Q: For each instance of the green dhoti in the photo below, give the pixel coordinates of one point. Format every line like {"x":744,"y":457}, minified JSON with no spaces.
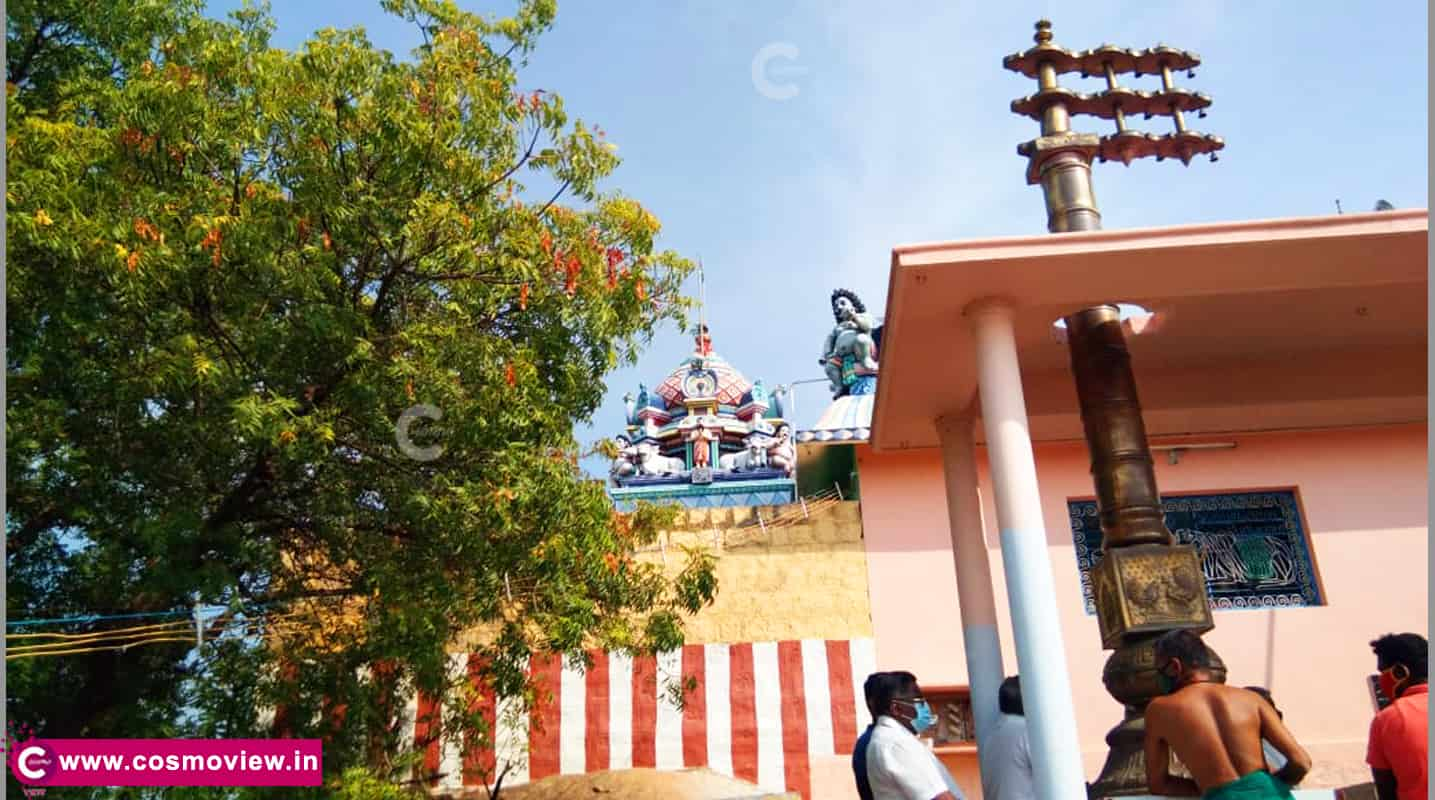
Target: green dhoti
{"x":1259,"y":785}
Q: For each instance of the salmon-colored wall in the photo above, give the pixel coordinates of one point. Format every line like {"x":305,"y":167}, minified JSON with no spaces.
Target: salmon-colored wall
{"x":1364,"y":497}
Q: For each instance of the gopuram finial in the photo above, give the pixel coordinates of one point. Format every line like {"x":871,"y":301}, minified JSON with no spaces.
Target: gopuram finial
{"x":1043,"y":31}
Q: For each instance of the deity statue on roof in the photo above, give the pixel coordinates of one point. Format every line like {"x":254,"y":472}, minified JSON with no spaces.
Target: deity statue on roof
{"x":781,"y":453}
{"x":849,"y":353}
{"x":625,"y":463}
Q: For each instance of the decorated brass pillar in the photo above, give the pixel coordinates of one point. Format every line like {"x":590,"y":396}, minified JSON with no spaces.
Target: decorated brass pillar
{"x":1144,"y":584}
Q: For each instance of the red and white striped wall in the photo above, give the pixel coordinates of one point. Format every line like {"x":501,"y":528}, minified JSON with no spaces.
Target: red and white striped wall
{"x":761,"y":711}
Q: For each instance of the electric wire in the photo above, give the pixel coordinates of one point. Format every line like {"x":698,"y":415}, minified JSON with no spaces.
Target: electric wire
{"x":94,"y":618}
{"x":9,"y":656}
{"x":69,"y":648}
{"x":94,"y":634}
{"x":290,"y":622}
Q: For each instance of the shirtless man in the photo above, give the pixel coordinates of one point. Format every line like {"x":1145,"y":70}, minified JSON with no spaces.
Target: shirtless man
{"x":1216,"y":731}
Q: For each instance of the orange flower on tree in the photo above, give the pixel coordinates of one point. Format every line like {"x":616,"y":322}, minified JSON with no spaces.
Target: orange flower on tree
{"x":615,"y":256}
{"x":133,"y":262}
{"x":546,"y":242}
{"x":213,"y":238}
{"x":510,"y":376}
{"x":523,"y":297}
{"x":574,"y":267}
{"x":623,"y":525}
{"x":612,"y":562}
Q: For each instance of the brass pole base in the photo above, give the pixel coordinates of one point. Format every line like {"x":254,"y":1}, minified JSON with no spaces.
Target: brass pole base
{"x":1124,"y":772}
{"x":1130,"y":678}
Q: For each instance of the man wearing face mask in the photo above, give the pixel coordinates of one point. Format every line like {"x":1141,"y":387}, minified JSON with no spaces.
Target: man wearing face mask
{"x":1215,"y":730}
{"x":899,"y":765}
{"x":1399,"y":739}
{"x":859,"y":750}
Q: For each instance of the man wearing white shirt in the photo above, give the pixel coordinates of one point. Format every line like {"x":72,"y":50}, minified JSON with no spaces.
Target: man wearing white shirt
{"x":1007,"y":773}
{"x":899,"y":765}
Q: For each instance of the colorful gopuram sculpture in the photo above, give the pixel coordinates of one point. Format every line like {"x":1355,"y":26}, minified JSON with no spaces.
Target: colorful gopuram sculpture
{"x":705,"y":437}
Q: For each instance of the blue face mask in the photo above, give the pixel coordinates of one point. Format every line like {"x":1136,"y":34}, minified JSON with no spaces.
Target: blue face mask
{"x":924,"y":719}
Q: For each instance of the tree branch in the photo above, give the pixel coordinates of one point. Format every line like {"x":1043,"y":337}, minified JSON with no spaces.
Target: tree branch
{"x":554,"y":198}
{"x":51,"y":516}
{"x":37,"y":43}
{"x":527,"y":154}
{"x":242,"y":496}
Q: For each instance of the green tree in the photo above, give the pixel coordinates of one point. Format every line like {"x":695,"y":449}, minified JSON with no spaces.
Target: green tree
{"x":232,"y":268}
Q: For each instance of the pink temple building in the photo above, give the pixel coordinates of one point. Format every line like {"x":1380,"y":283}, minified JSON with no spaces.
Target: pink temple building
{"x":1282,"y":371}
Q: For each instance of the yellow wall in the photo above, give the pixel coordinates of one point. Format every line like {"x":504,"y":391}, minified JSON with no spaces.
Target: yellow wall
{"x":800,"y":578}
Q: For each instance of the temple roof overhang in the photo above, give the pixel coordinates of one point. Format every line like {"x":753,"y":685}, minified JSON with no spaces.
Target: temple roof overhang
{"x":846,"y":420}
{"x":1283,"y":324}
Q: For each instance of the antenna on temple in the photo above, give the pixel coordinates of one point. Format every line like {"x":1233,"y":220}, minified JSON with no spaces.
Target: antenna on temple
{"x":704,"y":341}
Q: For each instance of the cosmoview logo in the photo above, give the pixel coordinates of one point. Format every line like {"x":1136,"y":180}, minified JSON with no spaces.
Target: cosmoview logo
{"x":764,"y":70}
{"x":406,"y":442}
{"x":35,"y":762}
{"x":38,"y":763}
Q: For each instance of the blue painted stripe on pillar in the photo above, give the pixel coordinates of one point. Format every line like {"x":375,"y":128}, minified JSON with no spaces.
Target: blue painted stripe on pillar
{"x":1041,"y":659}
{"x":984,"y":675}
{"x":984,"y":672}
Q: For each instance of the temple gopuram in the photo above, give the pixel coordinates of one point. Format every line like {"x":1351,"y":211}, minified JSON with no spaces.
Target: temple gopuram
{"x":706,"y":437}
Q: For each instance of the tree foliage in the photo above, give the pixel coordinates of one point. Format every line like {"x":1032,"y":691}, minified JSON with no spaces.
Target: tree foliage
{"x":232,"y":268}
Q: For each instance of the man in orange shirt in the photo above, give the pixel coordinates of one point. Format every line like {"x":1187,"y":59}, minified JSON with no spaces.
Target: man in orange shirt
{"x":1399,"y":741}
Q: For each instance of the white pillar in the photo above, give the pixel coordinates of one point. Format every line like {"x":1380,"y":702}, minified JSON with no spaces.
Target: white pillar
{"x":974,"y":573}
{"x":1036,"y":626}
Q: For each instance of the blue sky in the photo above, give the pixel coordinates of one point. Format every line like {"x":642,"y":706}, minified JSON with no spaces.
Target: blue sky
{"x":899,"y":131}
